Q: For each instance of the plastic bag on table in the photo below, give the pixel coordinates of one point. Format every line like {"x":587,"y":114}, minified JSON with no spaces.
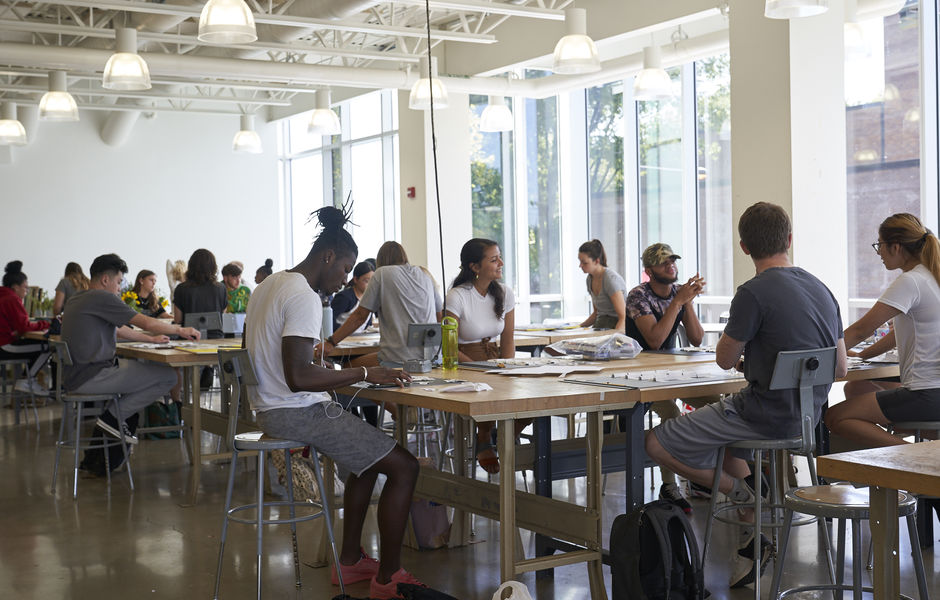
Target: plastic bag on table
{"x":606,"y":347}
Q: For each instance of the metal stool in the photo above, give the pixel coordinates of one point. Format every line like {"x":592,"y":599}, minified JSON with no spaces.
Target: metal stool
{"x":236,"y":370}
{"x":74,"y":407}
{"x":843,"y":501}
{"x":15,"y":364}
{"x":802,"y":369}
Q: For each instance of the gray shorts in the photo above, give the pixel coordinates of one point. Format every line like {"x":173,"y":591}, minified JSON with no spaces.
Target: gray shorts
{"x":694,"y":439}
{"x":351,"y":442}
{"x":902,"y":404}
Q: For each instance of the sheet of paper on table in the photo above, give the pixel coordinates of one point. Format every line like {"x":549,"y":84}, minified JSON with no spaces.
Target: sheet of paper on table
{"x":560,"y":370}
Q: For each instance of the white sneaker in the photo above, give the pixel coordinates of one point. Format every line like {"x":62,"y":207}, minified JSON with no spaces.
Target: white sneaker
{"x":129,"y":437}
{"x":30,"y":386}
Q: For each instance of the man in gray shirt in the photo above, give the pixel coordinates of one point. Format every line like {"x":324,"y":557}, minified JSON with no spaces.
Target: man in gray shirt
{"x":781,"y":308}
{"x":91,"y":324}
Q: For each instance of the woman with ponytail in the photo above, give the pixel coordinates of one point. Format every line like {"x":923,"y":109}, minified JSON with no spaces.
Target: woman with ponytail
{"x":913,"y":301}
{"x":73,"y":282}
{"x":292,"y":401}
{"x":264,"y":270}
{"x":607,"y":288}
{"x":483,"y":307}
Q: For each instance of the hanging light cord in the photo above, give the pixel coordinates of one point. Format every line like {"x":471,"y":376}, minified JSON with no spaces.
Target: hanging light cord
{"x":437,"y":186}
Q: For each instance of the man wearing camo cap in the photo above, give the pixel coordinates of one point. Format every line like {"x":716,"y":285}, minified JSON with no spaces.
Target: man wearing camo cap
{"x":654,"y":310}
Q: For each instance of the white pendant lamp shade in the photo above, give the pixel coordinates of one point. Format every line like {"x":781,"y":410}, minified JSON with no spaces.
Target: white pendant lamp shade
{"x":324,"y":121}
{"x":423,"y":89}
{"x":126,"y":70}
{"x":58,"y":104}
{"x":576,"y":53}
{"x":12,"y":132}
{"x":226,"y":22}
{"x":792,"y":9}
{"x":496,"y":116}
{"x":247,"y":139}
{"x":653,"y":82}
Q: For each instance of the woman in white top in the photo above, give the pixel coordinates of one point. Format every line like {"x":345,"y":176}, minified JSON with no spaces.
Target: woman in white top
{"x":483,"y":307}
{"x":913,"y":301}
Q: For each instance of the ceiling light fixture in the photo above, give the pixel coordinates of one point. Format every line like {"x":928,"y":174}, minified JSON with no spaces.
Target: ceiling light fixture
{"x":324,"y":121}
{"x":126,"y":70}
{"x":58,"y":104}
{"x":12,"y":132}
{"x":226,"y":22}
{"x":424,"y":89}
{"x":247,"y":139}
{"x":496,"y":116}
{"x":792,"y":9}
{"x":653,"y":82}
{"x":575,"y":53}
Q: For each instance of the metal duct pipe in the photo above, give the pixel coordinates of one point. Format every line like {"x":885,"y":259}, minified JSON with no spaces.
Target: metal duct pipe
{"x":28,"y":115}
{"x":118,"y":126}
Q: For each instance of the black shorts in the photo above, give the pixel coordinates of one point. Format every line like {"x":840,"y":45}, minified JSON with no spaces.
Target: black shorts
{"x":902,"y":404}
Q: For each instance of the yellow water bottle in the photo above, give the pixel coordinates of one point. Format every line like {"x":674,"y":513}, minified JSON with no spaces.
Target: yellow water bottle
{"x":449,"y":344}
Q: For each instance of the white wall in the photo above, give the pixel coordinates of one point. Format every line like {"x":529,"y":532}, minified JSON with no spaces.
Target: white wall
{"x":174,"y":186}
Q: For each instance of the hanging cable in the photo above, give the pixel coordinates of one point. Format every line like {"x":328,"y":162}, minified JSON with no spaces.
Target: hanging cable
{"x":437,"y":188}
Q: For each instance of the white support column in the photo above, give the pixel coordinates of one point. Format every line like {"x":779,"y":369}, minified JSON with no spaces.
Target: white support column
{"x":573,"y":184}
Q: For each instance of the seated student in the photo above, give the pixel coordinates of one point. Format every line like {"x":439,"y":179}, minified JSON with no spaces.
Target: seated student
{"x":913,"y":301}
{"x":73,"y":282}
{"x":606,"y":287}
{"x":654,"y":310}
{"x":282,"y":329}
{"x":237,"y":294}
{"x":264,"y":270}
{"x":485,"y":309}
{"x":175,"y":274}
{"x":399,"y":293}
{"x":781,"y":308}
{"x":14,"y":322}
{"x":345,"y":302}
{"x":200,"y":292}
{"x":93,"y":320}
{"x":148,"y":302}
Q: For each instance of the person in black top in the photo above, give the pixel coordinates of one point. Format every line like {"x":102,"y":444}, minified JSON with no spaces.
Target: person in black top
{"x":201,"y":292}
{"x":347,"y":300}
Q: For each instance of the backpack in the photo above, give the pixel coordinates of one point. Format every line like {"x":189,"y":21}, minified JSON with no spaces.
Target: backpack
{"x":654,"y":555}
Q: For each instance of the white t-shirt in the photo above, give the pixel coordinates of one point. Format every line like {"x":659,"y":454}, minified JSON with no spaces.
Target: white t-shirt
{"x":917,"y":329}
{"x":400,"y":294}
{"x":477,"y":316}
{"x":282,"y":305}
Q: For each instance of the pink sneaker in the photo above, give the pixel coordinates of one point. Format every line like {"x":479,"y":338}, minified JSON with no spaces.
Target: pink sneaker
{"x":365,"y":569}
{"x":384,"y":591}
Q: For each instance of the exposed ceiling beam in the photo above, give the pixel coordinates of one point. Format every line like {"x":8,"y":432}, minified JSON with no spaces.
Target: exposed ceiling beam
{"x":493,"y":8}
{"x":81,"y":91}
{"x":145,"y":109}
{"x":287,"y":21}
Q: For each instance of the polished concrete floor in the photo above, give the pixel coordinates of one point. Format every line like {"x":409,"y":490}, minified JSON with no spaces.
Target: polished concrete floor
{"x":114,"y":543}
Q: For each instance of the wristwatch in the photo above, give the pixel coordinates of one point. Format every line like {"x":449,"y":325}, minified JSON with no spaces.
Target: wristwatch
{"x":329,"y":339}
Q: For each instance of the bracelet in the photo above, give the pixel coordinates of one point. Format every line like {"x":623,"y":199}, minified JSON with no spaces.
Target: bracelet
{"x":329,"y":339}
{"x":365,"y":373}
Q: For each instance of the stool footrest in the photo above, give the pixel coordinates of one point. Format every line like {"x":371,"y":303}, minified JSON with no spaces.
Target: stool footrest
{"x":827,"y":587}
{"x":281,"y":503}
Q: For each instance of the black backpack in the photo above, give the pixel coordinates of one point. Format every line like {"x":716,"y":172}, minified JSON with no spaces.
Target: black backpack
{"x":654,"y":555}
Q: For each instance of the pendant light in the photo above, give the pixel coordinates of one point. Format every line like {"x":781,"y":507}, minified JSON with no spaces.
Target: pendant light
{"x":12,"y":132}
{"x":247,"y":139}
{"x":575,"y":53}
{"x":58,"y":104}
{"x":324,"y":121}
{"x":423,"y":89}
{"x":226,"y":22}
{"x":792,"y":9}
{"x":653,"y":82}
{"x":496,"y":116}
{"x":126,"y":70}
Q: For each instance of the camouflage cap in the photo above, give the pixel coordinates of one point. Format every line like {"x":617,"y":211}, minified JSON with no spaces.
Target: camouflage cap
{"x":657,"y":254}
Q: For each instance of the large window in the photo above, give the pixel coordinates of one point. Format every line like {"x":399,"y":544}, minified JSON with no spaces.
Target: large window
{"x":883,"y":129}
{"x":606,"y":206}
{"x":360,"y":163}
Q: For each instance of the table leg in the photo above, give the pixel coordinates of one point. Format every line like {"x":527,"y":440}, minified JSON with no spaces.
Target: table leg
{"x":542,"y":438}
{"x":595,"y":443}
{"x":884,"y":533}
{"x":185,"y":395}
{"x":636,"y":457}
{"x":195,"y":433}
{"x":507,"y":499}
{"x":460,"y":528}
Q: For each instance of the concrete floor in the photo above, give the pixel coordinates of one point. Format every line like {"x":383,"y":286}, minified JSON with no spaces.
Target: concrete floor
{"x":121,"y":544}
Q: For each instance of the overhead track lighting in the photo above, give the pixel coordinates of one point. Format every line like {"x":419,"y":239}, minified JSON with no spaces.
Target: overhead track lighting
{"x":126,"y":70}
{"x":247,"y":139}
{"x":226,"y":22}
{"x":424,"y":89}
{"x":58,"y":104}
{"x":12,"y":132}
{"x":324,"y":121}
{"x":496,"y":116}
{"x":792,"y":9}
{"x":575,"y":53}
{"x":653,"y":82}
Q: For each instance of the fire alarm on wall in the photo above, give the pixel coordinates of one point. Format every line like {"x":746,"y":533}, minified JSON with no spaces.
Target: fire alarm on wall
{"x":410,"y":192}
